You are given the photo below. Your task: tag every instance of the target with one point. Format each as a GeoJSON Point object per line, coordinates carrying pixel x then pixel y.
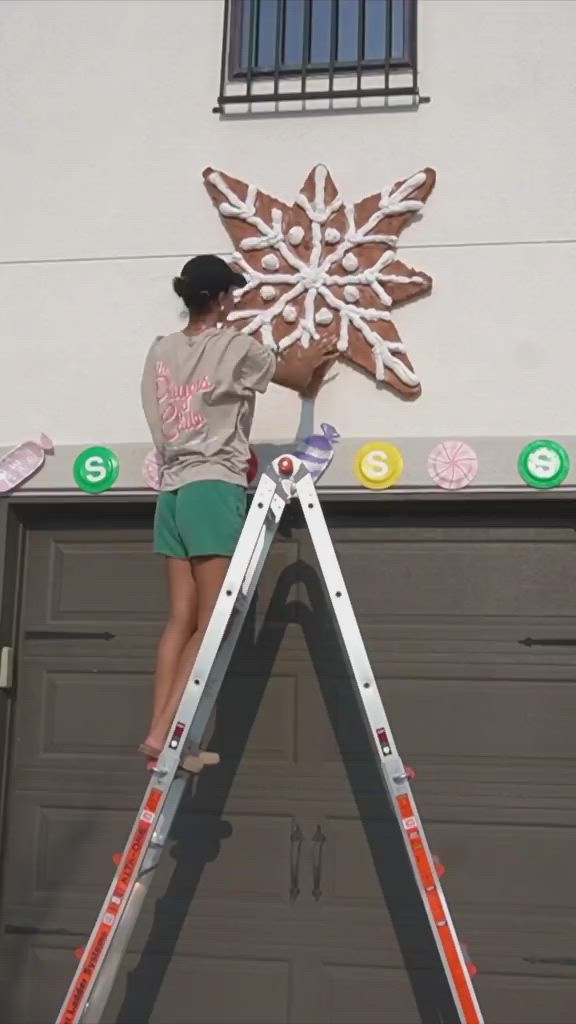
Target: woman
{"type": "Point", "coordinates": [198, 393]}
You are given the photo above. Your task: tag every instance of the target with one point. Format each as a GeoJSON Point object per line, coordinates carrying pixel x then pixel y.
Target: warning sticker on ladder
{"type": "Point", "coordinates": [382, 737]}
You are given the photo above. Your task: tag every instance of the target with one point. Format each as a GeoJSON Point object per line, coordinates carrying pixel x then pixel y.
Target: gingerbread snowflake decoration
{"type": "Point", "coordinates": [326, 265]}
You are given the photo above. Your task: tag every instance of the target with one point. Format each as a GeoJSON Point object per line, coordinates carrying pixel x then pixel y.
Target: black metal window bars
{"type": "Point", "coordinates": [286, 51]}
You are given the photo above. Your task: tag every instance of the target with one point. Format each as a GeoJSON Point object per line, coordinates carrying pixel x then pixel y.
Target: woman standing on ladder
{"type": "Point", "coordinates": [198, 393]}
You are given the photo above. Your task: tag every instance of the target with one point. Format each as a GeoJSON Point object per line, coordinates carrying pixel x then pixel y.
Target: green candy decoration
{"type": "Point", "coordinates": [544, 464]}
{"type": "Point", "coordinates": [96, 470]}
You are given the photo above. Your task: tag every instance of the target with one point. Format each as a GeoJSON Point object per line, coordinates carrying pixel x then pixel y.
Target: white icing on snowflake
{"type": "Point", "coordinates": [324, 316]}
{"type": "Point", "coordinates": [295, 235]}
{"type": "Point", "coordinates": [270, 262]}
{"type": "Point", "coordinates": [268, 292]}
{"type": "Point", "coordinates": [351, 293]}
{"type": "Point", "coordinates": [315, 278]}
{"type": "Point", "coordinates": [332, 236]}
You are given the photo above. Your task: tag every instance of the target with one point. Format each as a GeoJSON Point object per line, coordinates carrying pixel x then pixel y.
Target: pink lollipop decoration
{"type": "Point", "coordinates": [453, 465]}
{"type": "Point", "coordinates": [151, 470]}
{"type": "Point", "coordinates": [22, 462]}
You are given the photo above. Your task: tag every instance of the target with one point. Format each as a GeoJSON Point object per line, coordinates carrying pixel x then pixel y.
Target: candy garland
{"type": "Point", "coordinates": [318, 276]}
{"type": "Point", "coordinates": [452, 464]}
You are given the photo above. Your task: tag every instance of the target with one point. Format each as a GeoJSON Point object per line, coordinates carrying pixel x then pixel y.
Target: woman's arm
{"type": "Point", "coordinates": [150, 400]}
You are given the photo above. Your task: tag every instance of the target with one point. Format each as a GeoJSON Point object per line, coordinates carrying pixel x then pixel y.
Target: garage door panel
{"type": "Point", "coordinates": [524, 926]}
{"type": "Point", "coordinates": [229, 989]}
{"type": "Point", "coordinates": [370, 995]}
{"type": "Point", "coordinates": [37, 983]}
{"type": "Point", "coordinates": [367, 994]}
{"type": "Point", "coordinates": [259, 721]}
{"type": "Point", "coordinates": [443, 576]}
{"type": "Point", "coordinates": [67, 861]}
{"type": "Point", "coordinates": [537, 1001]}
{"type": "Point", "coordinates": [460, 645]}
{"type": "Point", "coordinates": [443, 647]}
{"type": "Point", "coordinates": [457, 719]}
{"type": "Point", "coordinates": [67, 858]}
{"type": "Point", "coordinates": [483, 718]}
{"type": "Point", "coordinates": [94, 719]}
{"type": "Point", "coordinates": [475, 856]}
{"type": "Point", "coordinates": [525, 856]}
{"type": "Point", "coordinates": [96, 712]}
{"type": "Point", "coordinates": [495, 791]}
{"type": "Point", "coordinates": [111, 579]}
{"type": "Point", "coordinates": [89, 575]}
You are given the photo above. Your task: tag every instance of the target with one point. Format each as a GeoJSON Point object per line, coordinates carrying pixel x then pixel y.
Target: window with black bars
{"type": "Point", "coordinates": [277, 51]}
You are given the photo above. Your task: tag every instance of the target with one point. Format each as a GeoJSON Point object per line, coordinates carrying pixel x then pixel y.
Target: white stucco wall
{"type": "Point", "coordinates": [106, 124]}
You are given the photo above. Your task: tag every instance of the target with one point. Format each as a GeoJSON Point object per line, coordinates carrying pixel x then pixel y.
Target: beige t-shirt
{"type": "Point", "coordinates": [198, 395]}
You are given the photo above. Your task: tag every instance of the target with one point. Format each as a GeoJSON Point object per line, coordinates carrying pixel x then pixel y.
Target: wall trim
{"type": "Point", "coordinates": [498, 468]}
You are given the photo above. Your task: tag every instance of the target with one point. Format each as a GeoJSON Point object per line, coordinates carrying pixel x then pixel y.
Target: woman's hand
{"type": "Point", "coordinates": [303, 370]}
{"type": "Point", "coordinates": [322, 353]}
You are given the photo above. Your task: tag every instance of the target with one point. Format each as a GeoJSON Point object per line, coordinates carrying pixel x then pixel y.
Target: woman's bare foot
{"type": "Point", "coordinates": [154, 741]}
{"type": "Point", "coordinates": [194, 763]}
{"type": "Point", "coordinates": [190, 763]}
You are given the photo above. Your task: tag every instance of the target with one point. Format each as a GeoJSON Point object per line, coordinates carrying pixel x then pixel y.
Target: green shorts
{"type": "Point", "coordinates": [200, 519]}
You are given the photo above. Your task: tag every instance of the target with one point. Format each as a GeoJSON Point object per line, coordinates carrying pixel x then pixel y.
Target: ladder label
{"type": "Point", "coordinates": [92, 960]}
{"type": "Point", "coordinates": [384, 742]}
{"type": "Point", "coordinates": [94, 954]}
{"type": "Point", "coordinates": [452, 952]}
{"type": "Point", "coordinates": [177, 735]}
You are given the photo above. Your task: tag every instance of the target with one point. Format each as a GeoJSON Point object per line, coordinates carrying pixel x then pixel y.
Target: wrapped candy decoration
{"type": "Point", "coordinates": [22, 462]}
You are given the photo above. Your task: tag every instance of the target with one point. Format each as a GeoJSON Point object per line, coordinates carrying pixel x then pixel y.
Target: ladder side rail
{"type": "Point", "coordinates": [111, 913]}
{"type": "Point", "coordinates": [215, 678]}
{"type": "Point", "coordinates": [261, 510]}
{"type": "Point", "coordinates": [106, 976]}
{"type": "Point", "coordinates": [391, 766]}
{"type": "Point", "coordinates": [122, 885]}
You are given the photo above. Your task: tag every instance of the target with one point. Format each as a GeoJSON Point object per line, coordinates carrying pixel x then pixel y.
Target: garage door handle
{"type": "Point", "coordinates": [296, 837]}
{"type": "Point", "coordinates": [6, 668]}
{"type": "Point", "coordinates": [318, 840]}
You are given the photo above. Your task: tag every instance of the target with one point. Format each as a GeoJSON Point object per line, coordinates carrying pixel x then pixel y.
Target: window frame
{"type": "Point", "coordinates": [239, 73]}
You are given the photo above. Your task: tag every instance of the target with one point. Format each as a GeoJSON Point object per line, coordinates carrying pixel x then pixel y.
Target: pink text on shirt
{"type": "Point", "coordinates": [175, 401]}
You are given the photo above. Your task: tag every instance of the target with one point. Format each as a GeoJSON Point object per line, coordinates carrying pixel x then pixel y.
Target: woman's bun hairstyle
{"type": "Point", "coordinates": [178, 286]}
{"type": "Point", "coordinates": [203, 279]}
{"type": "Point", "coordinates": [194, 300]}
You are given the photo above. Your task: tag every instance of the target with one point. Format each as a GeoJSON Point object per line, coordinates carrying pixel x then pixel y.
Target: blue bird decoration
{"type": "Point", "coordinates": [317, 450]}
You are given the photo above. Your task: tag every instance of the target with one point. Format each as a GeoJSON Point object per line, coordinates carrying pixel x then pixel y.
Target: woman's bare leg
{"type": "Point", "coordinates": [181, 626]}
{"type": "Point", "coordinates": [209, 576]}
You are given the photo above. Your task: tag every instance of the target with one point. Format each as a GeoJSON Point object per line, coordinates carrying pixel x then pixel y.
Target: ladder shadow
{"type": "Point", "coordinates": [401, 896]}
{"type": "Point", "coordinates": [198, 846]}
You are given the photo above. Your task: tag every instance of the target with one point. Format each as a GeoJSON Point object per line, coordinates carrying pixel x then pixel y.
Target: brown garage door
{"type": "Point", "coordinates": [283, 896]}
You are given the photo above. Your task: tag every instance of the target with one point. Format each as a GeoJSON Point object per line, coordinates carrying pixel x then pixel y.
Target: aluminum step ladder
{"type": "Point", "coordinates": [102, 956]}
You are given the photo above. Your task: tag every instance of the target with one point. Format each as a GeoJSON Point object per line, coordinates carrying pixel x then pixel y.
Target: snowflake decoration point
{"type": "Point", "coordinates": [324, 264]}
